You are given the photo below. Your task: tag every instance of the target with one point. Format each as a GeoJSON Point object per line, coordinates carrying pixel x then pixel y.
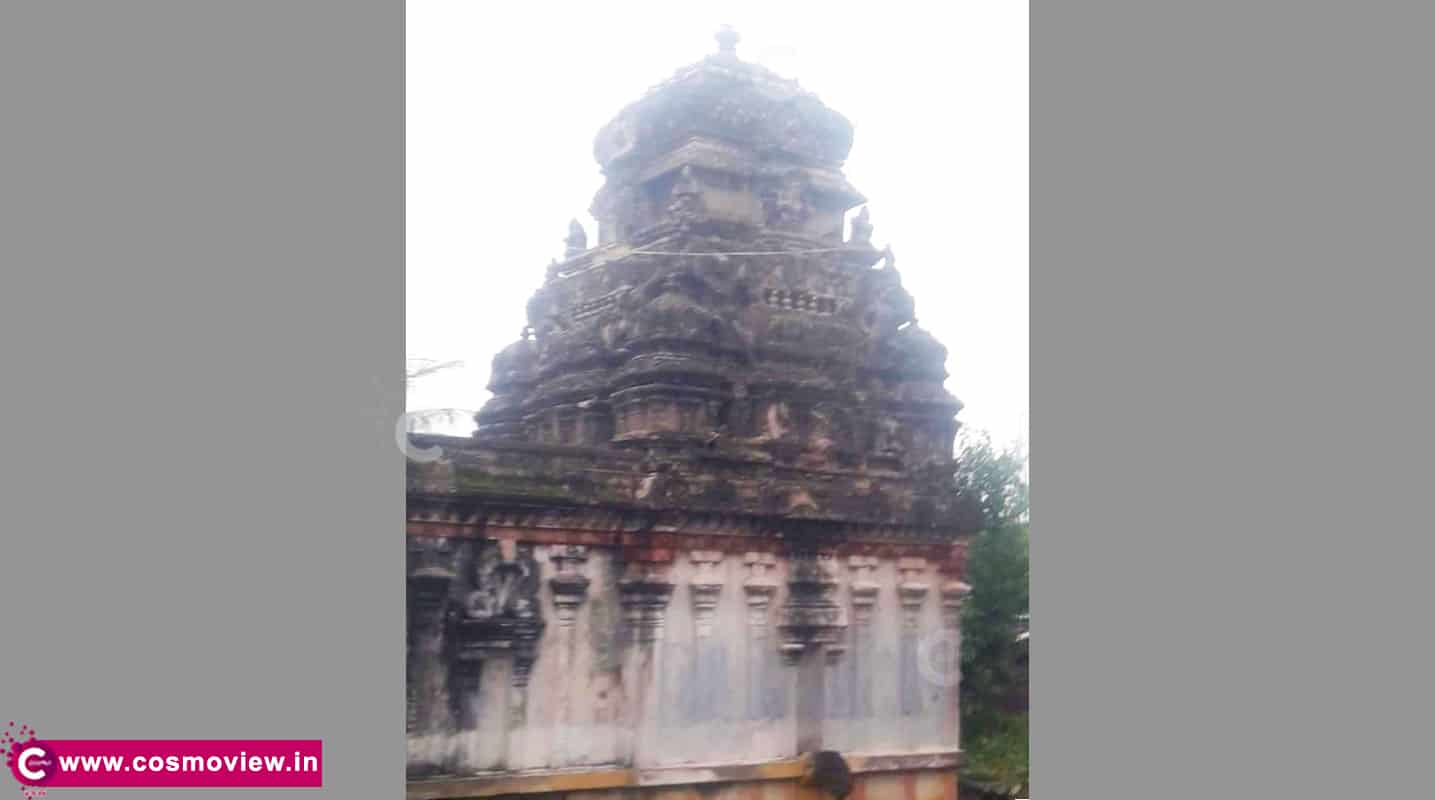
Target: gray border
{"type": "Point", "coordinates": [1231, 206]}
{"type": "Point", "coordinates": [202, 318]}
{"type": "Point", "coordinates": [203, 327]}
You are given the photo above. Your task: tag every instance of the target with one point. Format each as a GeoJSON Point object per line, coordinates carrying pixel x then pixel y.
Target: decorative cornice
{"type": "Point", "coordinates": [448, 516]}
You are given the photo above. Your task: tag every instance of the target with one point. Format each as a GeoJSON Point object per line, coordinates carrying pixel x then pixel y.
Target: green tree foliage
{"type": "Point", "coordinates": [997, 569]}
{"type": "Point", "coordinates": [997, 763]}
{"type": "Point", "coordinates": [994, 733]}
{"type": "Point", "coordinates": [993, 480]}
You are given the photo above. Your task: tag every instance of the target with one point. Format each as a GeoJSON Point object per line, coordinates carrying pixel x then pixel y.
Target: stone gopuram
{"type": "Point", "coordinates": [705, 539]}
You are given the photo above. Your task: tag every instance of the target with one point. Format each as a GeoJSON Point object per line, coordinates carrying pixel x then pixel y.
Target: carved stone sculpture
{"type": "Point", "coordinates": [577, 240]}
{"type": "Point", "coordinates": [862, 227]}
{"type": "Point", "coordinates": [499, 613]}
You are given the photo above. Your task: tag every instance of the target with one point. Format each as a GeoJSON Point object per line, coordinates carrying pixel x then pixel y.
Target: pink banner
{"type": "Point", "coordinates": [167, 763]}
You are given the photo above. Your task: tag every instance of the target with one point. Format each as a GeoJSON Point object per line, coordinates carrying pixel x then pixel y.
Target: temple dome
{"type": "Point", "coordinates": [723, 307]}
{"type": "Point", "coordinates": [729, 100]}
{"type": "Point", "coordinates": [514, 364]}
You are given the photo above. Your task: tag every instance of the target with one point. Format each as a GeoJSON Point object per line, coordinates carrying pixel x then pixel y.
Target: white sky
{"type": "Point", "coordinates": [504, 101]}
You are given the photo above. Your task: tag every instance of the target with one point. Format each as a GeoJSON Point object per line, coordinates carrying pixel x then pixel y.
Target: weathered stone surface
{"type": "Point", "coordinates": [722, 311]}
{"type": "Point", "coordinates": [708, 517]}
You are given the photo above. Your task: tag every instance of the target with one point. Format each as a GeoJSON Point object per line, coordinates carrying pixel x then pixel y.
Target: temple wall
{"type": "Point", "coordinates": [704, 662]}
{"type": "Point", "coordinates": [736, 205]}
{"type": "Point", "coordinates": [773, 782]}
{"type": "Point", "coordinates": [706, 540]}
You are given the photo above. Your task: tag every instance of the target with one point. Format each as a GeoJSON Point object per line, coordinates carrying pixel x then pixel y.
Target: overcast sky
{"type": "Point", "coordinates": [504, 102]}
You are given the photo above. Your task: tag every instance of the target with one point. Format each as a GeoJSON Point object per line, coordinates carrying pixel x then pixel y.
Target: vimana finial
{"type": "Point", "coordinates": [727, 40]}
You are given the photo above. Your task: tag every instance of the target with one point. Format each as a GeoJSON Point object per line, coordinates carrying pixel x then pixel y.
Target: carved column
{"type": "Point", "coordinates": [430, 577]}
{"type": "Point", "coordinates": [812, 619]}
{"type": "Point", "coordinates": [812, 629]}
{"type": "Point", "coordinates": [428, 587]}
{"type": "Point", "coordinates": [644, 592]}
{"type": "Point", "coordinates": [524, 605]}
{"type": "Point", "coordinates": [569, 587]}
{"type": "Point", "coordinates": [954, 597]}
{"type": "Point", "coordinates": [465, 677]}
{"type": "Point", "coordinates": [705, 589]}
{"type": "Point", "coordinates": [705, 669]}
{"type": "Point", "coordinates": [911, 590]}
{"type": "Point", "coordinates": [759, 587]}
{"type": "Point", "coordinates": [954, 593]}
{"type": "Point", "coordinates": [911, 593]}
{"type": "Point", "coordinates": [863, 588]}
{"type": "Point", "coordinates": [568, 583]}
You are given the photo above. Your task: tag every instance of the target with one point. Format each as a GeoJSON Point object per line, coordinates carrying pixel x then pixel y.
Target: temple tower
{"type": "Point", "coordinates": [706, 534]}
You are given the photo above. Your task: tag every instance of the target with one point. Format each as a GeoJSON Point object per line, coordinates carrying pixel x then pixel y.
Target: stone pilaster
{"type": "Point", "coordinates": [863, 588]}
{"type": "Point", "coordinates": [430, 578]}
{"type": "Point", "coordinates": [705, 589]}
{"type": "Point", "coordinates": [954, 597]}
{"type": "Point", "coordinates": [812, 619]}
{"type": "Point", "coordinates": [569, 587]}
{"type": "Point", "coordinates": [644, 591]}
{"type": "Point", "coordinates": [953, 593]}
{"type": "Point", "coordinates": [912, 590]}
{"type": "Point", "coordinates": [759, 587]}
{"type": "Point", "coordinates": [568, 583]}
